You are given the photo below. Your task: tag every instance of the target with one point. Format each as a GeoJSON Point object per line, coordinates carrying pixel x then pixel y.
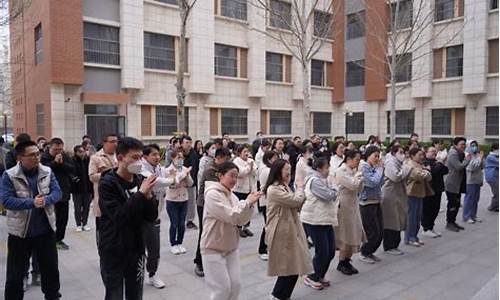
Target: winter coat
{"type": "Point", "coordinates": [63, 172]}
{"type": "Point", "coordinates": [418, 183]}
{"type": "Point", "coordinates": [246, 176]}
{"type": "Point", "coordinates": [81, 180]}
{"type": "Point", "coordinates": [438, 170]}
{"type": "Point", "coordinates": [99, 163]}
{"type": "Point", "coordinates": [491, 168]}
{"type": "Point", "coordinates": [192, 160]}
{"type": "Point", "coordinates": [320, 207]}
{"type": "Point", "coordinates": [456, 164]}
{"type": "Point", "coordinates": [178, 192]}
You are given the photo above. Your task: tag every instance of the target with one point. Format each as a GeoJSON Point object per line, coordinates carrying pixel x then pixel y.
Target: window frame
{"type": "Point", "coordinates": [275, 20]}
{"type": "Point", "coordinates": [491, 121]}
{"type": "Point", "coordinates": [112, 58]}
{"type": "Point", "coordinates": [406, 18]}
{"type": "Point", "coordinates": [225, 113]}
{"type": "Point", "coordinates": [170, 63]}
{"type": "Point", "coordinates": [243, 14]}
{"type": "Point", "coordinates": [274, 129]}
{"type": "Point", "coordinates": [318, 18]}
{"type": "Point", "coordinates": [318, 122]}
{"type": "Point", "coordinates": [409, 123]}
{"type": "Point", "coordinates": [458, 70]}
{"type": "Point", "coordinates": [355, 25]}
{"type": "Point", "coordinates": [218, 69]}
{"type": "Point", "coordinates": [40, 118]}
{"type": "Point", "coordinates": [350, 80]}
{"type": "Point", "coordinates": [38, 45]}
{"type": "Point", "coordinates": [317, 70]}
{"type": "Point", "coordinates": [357, 119]}
{"type": "Point", "coordinates": [441, 116]}
{"type": "Point", "coordinates": [281, 65]}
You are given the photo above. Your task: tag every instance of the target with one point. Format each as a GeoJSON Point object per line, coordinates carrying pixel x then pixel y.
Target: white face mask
{"type": "Point", "coordinates": [211, 152]}
{"type": "Point", "coordinates": [135, 167]}
{"type": "Point", "coordinates": [400, 156]}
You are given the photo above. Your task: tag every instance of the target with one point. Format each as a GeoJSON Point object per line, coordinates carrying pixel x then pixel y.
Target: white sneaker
{"type": "Point", "coordinates": [156, 282]}
{"type": "Point", "coordinates": [367, 259]}
{"type": "Point", "coordinates": [181, 248]}
{"type": "Point", "coordinates": [470, 221]}
{"type": "Point", "coordinates": [394, 252]}
{"type": "Point", "coordinates": [478, 220]}
{"type": "Point", "coordinates": [437, 233]}
{"type": "Point", "coordinates": [86, 228]}
{"type": "Point", "coordinates": [79, 229]}
{"type": "Point", "coordinates": [175, 250]}
{"type": "Point", "coordinates": [264, 256]}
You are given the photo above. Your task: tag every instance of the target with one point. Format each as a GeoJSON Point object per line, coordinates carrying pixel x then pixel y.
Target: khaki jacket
{"type": "Point", "coordinates": [99, 163]}
{"type": "Point", "coordinates": [418, 183]}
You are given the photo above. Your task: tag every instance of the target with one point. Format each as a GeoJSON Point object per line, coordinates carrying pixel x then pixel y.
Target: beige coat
{"type": "Point", "coordinates": [285, 237]}
{"type": "Point", "coordinates": [178, 192]}
{"type": "Point", "coordinates": [99, 163]}
{"type": "Point", "coordinates": [246, 176]}
{"type": "Point", "coordinates": [418, 183]}
{"type": "Point", "coordinates": [349, 232]}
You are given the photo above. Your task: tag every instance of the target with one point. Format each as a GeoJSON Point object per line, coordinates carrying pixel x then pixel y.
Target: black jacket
{"type": "Point", "coordinates": [191, 160]}
{"type": "Point", "coordinates": [81, 180]}
{"type": "Point", "coordinates": [63, 172]}
{"type": "Point", "coordinates": [438, 170]}
{"type": "Point", "coordinates": [293, 154]}
{"type": "Point", "coordinates": [124, 211]}
{"type": "Point", "coordinates": [10, 159]}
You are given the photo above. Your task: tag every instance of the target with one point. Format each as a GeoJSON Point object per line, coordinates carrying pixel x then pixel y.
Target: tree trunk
{"type": "Point", "coordinates": [306, 92]}
{"type": "Point", "coordinates": [393, 108]}
{"type": "Point", "coordinates": [180, 90]}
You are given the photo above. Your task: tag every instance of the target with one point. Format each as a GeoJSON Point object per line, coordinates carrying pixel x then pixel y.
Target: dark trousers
{"type": "Point", "coordinates": [198, 260]}
{"type": "Point", "coordinates": [452, 207]}
{"type": "Point", "coordinates": [324, 249]}
{"type": "Point", "coordinates": [97, 223]}
{"type": "Point", "coordinates": [62, 214]}
{"type": "Point", "coordinates": [118, 271]}
{"type": "Point", "coordinates": [241, 197]}
{"type": "Point", "coordinates": [35, 268]}
{"type": "Point", "coordinates": [431, 207]}
{"type": "Point", "coordinates": [177, 213]}
{"type": "Point", "coordinates": [82, 207]}
{"type": "Point", "coordinates": [18, 255]}
{"type": "Point", "coordinates": [283, 288]}
{"type": "Point", "coordinates": [151, 234]}
{"type": "Point", "coordinates": [392, 239]}
{"type": "Point", "coordinates": [262, 243]}
{"type": "Point", "coordinates": [371, 216]}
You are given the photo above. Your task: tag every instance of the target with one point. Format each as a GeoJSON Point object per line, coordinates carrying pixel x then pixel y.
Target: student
{"type": "Point", "coordinates": [417, 187]}
{"type": "Point", "coordinates": [474, 175]}
{"type": "Point", "coordinates": [287, 246]}
{"type": "Point", "coordinates": [246, 182]}
{"type": "Point", "coordinates": [303, 168]}
{"type": "Point", "coordinates": [279, 148]}
{"type": "Point", "coordinates": [127, 201]}
{"type": "Point", "coordinates": [223, 211]}
{"type": "Point", "coordinates": [269, 158]}
{"type": "Point", "coordinates": [81, 188]}
{"type": "Point", "coordinates": [432, 203]}
{"type": "Point", "coordinates": [491, 176]}
{"type": "Point", "coordinates": [394, 198]}
{"type": "Point", "coordinates": [369, 201]}
{"type": "Point", "coordinates": [319, 215]}
{"type": "Point", "coordinates": [349, 234]}
{"type": "Point", "coordinates": [336, 160]}
{"type": "Point", "coordinates": [177, 201]}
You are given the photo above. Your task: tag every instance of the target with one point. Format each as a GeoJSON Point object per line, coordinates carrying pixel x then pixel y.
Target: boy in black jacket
{"type": "Point", "coordinates": [126, 202]}
{"type": "Point", "coordinates": [82, 188]}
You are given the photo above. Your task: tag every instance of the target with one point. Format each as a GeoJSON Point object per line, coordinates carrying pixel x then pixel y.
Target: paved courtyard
{"type": "Point", "coordinates": [457, 266]}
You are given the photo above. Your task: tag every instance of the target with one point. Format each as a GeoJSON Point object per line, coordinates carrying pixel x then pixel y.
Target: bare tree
{"type": "Point", "coordinates": [301, 33]}
{"type": "Point", "coordinates": [185, 7]}
{"type": "Point", "coordinates": [406, 36]}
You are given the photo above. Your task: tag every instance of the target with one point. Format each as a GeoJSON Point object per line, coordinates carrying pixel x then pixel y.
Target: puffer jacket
{"type": "Point", "coordinates": [321, 205]}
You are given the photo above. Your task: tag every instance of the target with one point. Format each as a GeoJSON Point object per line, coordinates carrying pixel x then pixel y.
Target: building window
{"type": "Point", "coordinates": [355, 124]}
{"type": "Point", "coordinates": [322, 122]}
{"type": "Point", "coordinates": [274, 66]}
{"type": "Point", "coordinates": [355, 73]}
{"type": "Point", "coordinates": [448, 9]}
{"type": "Point", "coordinates": [492, 120]}
{"type": "Point", "coordinates": [405, 122]}
{"type": "Point", "coordinates": [146, 120]}
{"type": "Point", "coordinates": [318, 73]}
{"type": "Point", "coordinates": [236, 9]}
{"type": "Point", "coordinates": [280, 122]}
{"type": "Point", "coordinates": [280, 14]}
{"type": "Point", "coordinates": [40, 119]}
{"type": "Point", "coordinates": [493, 56]}
{"type": "Point", "coordinates": [101, 44]}
{"type": "Point", "coordinates": [454, 61]}
{"type": "Point", "coordinates": [404, 12]}
{"type": "Point", "coordinates": [100, 109]}
{"type": "Point", "coordinates": [166, 120]}
{"type": "Point", "coordinates": [403, 67]}
{"type": "Point", "coordinates": [159, 51]}
{"type": "Point", "coordinates": [234, 121]}
{"type": "Point", "coordinates": [355, 25]}
{"type": "Point", "coordinates": [493, 4]}
{"type": "Point", "coordinates": [226, 61]}
{"type": "Point", "coordinates": [323, 24]}
{"type": "Point", "coordinates": [38, 44]}
{"type": "Point", "coordinates": [441, 121]}
{"type": "Point", "coordinates": [172, 2]}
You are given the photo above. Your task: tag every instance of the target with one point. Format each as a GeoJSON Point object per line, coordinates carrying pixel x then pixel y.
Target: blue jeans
{"type": "Point", "coordinates": [177, 213]}
{"type": "Point", "coordinates": [324, 249]}
{"type": "Point", "coordinates": [494, 191]}
{"type": "Point", "coordinates": [414, 217]}
{"type": "Point", "coordinates": [470, 201]}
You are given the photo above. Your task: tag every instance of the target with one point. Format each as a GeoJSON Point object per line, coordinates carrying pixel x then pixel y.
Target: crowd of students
{"type": "Point", "coordinates": [312, 193]}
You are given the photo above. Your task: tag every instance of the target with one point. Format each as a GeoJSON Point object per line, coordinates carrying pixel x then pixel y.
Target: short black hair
{"type": "Point", "coordinates": [21, 147]}
{"type": "Point", "coordinates": [149, 148]}
{"type": "Point", "coordinates": [241, 147]}
{"type": "Point", "coordinates": [413, 134]}
{"type": "Point", "coordinates": [56, 141]}
{"type": "Point", "coordinates": [266, 159]}
{"type": "Point", "coordinates": [86, 137]}
{"type": "Point", "coordinates": [336, 146]}
{"type": "Point", "coordinates": [265, 142]}
{"type": "Point", "coordinates": [458, 139]}
{"type": "Point", "coordinates": [40, 138]}
{"type": "Point", "coordinates": [185, 138]}
{"type": "Point", "coordinates": [218, 141]}
{"type": "Point", "coordinates": [414, 151]}
{"type": "Point", "coordinates": [226, 167]}
{"type": "Point", "coordinates": [23, 137]}
{"type": "Point", "coordinates": [296, 138]}
{"type": "Point", "coordinates": [225, 133]}
{"type": "Point", "coordinates": [107, 135]}
{"type": "Point", "coordinates": [222, 152]}
{"type": "Point", "coordinates": [494, 146]}
{"type": "Point", "coordinates": [76, 148]}
{"type": "Point", "coordinates": [370, 150]}
{"type": "Point", "coordinates": [2, 140]}
{"type": "Point", "coordinates": [125, 144]}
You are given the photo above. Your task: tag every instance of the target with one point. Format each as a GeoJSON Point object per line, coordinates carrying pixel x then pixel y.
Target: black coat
{"type": "Point", "coordinates": [10, 159]}
{"type": "Point", "coordinates": [191, 160]}
{"type": "Point", "coordinates": [124, 211]}
{"type": "Point", "coordinates": [63, 172]}
{"type": "Point", "coordinates": [293, 155]}
{"type": "Point", "coordinates": [438, 170]}
{"type": "Point", "coordinates": [81, 180]}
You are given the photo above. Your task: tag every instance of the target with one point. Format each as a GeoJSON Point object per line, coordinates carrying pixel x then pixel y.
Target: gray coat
{"type": "Point", "coordinates": [394, 198]}
{"type": "Point", "coordinates": [475, 170]}
{"type": "Point", "coordinates": [456, 168]}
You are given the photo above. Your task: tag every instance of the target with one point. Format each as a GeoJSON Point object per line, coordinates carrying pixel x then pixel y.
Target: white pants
{"type": "Point", "coordinates": [222, 275]}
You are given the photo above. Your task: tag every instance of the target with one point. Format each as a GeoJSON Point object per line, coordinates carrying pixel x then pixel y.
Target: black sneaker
{"type": "Point", "coordinates": [198, 270]}
{"type": "Point", "coordinates": [248, 232]}
{"type": "Point", "coordinates": [459, 227]}
{"type": "Point", "coordinates": [344, 268]}
{"type": "Point", "coordinates": [351, 267]}
{"type": "Point", "coordinates": [35, 279]}
{"type": "Point", "coordinates": [62, 245]}
{"type": "Point", "coordinates": [191, 225]}
{"type": "Point", "coordinates": [243, 233]}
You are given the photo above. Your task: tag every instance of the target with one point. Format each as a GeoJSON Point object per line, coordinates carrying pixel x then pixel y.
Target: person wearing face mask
{"type": "Point", "coordinates": [177, 205]}
{"type": "Point", "coordinates": [394, 199]}
{"type": "Point", "coordinates": [491, 176]}
{"type": "Point", "coordinates": [127, 201]}
{"type": "Point", "coordinates": [474, 175]}
{"type": "Point", "coordinates": [417, 187]}
{"type": "Point", "coordinates": [349, 234]}
{"type": "Point", "coordinates": [319, 216]}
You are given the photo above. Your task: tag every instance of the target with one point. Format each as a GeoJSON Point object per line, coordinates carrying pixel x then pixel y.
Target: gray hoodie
{"type": "Point", "coordinates": [475, 168]}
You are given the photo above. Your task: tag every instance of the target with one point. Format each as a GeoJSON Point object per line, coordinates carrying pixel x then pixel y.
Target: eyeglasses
{"type": "Point", "coordinates": [32, 155]}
